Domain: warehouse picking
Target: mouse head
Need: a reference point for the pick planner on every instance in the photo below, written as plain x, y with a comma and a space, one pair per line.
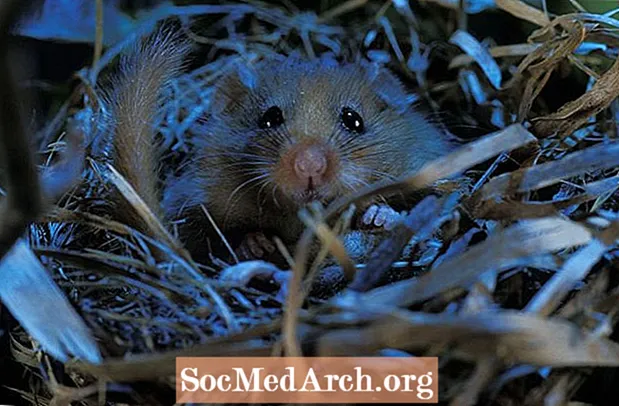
299, 131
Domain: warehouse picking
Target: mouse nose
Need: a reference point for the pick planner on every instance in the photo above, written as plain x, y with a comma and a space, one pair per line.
310, 162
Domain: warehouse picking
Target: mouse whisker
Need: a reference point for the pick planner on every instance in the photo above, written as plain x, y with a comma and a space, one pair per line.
233, 154
383, 175
242, 171
335, 133
371, 160
378, 146
350, 181
274, 137
376, 175
241, 166
264, 183
284, 134
267, 145
381, 153
230, 203
238, 154
274, 196
343, 138
246, 172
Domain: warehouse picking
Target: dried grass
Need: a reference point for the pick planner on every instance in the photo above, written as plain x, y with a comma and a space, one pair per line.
504, 272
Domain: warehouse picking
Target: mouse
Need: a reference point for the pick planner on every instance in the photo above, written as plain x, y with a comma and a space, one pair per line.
294, 132
281, 133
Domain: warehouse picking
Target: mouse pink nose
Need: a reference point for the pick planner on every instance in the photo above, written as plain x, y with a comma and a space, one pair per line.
310, 162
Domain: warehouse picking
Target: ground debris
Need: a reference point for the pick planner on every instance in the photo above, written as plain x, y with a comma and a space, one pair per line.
503, 267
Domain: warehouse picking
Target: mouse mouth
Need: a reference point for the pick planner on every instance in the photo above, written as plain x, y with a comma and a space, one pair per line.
308, 195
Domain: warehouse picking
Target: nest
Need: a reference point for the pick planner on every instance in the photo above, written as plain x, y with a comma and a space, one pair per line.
505, 272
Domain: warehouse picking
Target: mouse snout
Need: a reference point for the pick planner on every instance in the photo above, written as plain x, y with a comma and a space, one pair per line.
310, 162
305, 170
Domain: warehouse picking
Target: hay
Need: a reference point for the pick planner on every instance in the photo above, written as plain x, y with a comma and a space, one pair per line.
505, 271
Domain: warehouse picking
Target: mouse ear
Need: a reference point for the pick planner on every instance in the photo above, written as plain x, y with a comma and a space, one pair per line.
388, 87
240, 79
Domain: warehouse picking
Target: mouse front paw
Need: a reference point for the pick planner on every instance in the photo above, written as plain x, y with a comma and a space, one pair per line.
380, 215
255, 246
240, 276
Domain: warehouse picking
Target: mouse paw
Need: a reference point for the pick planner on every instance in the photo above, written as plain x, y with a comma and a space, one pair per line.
255, 246
240, 275
380, 215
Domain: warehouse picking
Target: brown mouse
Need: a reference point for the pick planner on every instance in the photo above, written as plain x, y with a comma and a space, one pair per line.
284, 133
296, 131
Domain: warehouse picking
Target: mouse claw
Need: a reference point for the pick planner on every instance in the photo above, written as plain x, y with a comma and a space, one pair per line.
381, 215
255, 246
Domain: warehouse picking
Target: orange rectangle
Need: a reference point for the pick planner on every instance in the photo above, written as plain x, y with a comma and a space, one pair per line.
307, 380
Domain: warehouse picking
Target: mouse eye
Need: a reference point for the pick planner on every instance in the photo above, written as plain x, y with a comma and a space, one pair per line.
352, 120
271, 118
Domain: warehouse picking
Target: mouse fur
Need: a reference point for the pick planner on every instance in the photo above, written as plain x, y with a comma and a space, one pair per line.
237, 171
